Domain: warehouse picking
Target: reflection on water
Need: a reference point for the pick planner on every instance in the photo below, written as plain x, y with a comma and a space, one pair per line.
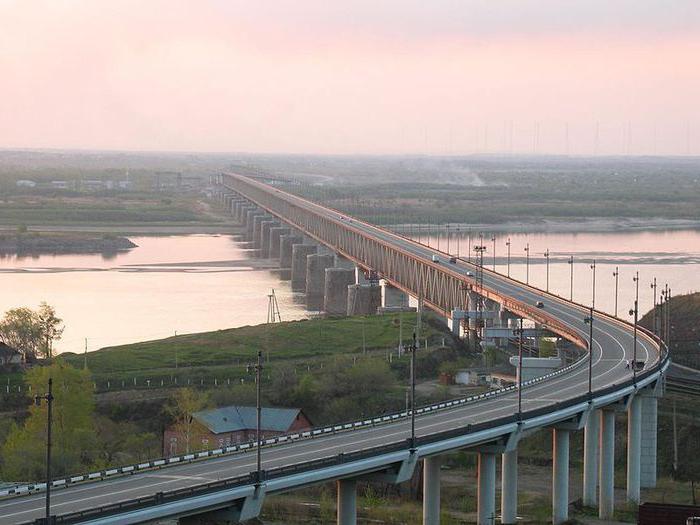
193, 283
187, 283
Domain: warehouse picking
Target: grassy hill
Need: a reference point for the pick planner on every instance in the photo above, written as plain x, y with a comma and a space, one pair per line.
685, 331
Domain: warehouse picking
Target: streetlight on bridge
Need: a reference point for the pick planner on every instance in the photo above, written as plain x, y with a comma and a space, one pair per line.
48, 397
571, 266
593, 299
616, 275
654, 317
257, 367
493, 238
635, 312
589, 321
508, 246
527, 263
546, 257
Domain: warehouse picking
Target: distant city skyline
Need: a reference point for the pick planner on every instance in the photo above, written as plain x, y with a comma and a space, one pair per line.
516, 76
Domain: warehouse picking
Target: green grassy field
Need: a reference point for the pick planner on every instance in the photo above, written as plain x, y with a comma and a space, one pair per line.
223, 350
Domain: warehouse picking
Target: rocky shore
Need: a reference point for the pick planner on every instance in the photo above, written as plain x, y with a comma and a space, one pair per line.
53, 243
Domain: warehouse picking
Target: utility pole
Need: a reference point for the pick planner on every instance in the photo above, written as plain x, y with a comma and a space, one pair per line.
493, 238
520, 370
414, 348
546, 258
616, 275
257, 367
48, 397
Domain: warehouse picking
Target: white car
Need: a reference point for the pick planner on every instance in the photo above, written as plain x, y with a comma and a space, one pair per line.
470, 274
436, 259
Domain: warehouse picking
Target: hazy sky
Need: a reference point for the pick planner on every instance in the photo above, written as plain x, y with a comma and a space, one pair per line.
357, 76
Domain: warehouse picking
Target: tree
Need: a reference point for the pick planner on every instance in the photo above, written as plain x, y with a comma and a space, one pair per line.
51, 330
184, 404
20, 329
31, 332
75, 446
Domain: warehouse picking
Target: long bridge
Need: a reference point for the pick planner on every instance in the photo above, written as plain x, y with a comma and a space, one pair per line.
223, 485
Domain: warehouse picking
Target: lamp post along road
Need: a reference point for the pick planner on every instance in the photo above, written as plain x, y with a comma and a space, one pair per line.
635, 312
508, 263
616, 275
571, 265
257, 367
546, 257
527, 264
520, 370
414, 347
593, 297
655, 316
493, 238
589, 321
48, 397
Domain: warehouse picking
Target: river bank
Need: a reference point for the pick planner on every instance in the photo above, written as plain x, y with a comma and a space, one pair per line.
35, 243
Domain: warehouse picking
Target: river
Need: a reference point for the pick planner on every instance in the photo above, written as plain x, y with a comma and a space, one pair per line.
191, 283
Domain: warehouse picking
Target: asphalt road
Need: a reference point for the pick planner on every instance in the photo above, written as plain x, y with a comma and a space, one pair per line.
613, 346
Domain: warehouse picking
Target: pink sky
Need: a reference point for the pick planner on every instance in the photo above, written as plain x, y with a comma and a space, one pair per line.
351, 77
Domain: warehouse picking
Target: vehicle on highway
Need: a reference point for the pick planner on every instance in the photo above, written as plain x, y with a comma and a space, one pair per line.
436, 259
453, 260
470, 274
539, 304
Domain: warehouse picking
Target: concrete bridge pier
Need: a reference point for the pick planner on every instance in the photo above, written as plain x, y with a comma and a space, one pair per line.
486, 489
257, 228
509, 487
335, 294
273, 248
287, 243
250, 221
392, 296
347, 502
265, 228
363, 299
647, 461
591, 438
606, 498
560, 475
431, 490
299, 259
634, 448
242, 216
316, 266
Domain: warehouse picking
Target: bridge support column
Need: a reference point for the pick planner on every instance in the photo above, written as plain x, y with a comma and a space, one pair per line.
649, 435
316, 266
560, 476
299, 255
486, 490
273, 248
250, 221
257, 227
335, 294
265, 228
431, 490
591, 438
634, 448
509, 487
606, 499
363, 299
392, 296
347, 502
287, 243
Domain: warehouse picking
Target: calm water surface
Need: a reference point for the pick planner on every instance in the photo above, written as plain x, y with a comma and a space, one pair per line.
193, 283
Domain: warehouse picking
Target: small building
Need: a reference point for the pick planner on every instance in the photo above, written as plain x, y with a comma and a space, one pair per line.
24, 183
226, 426
9, 356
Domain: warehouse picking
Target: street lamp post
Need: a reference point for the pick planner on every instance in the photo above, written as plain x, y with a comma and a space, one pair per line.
635, 312
655, 316
48, 397
546, 258
593, 299
527, 263
508, 246
447, 227
493, 238
616, 275
414, 348
571, 266
520, 370
257, 367
589, 321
